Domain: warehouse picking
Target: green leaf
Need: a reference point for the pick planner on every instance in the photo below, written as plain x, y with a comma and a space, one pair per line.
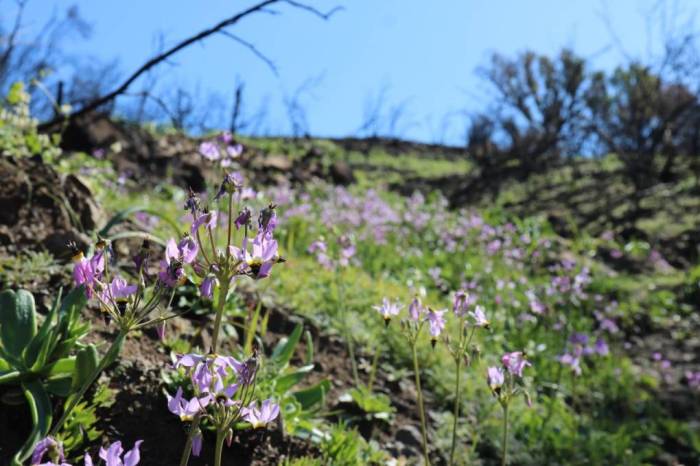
285, 348
62, 366
61, 386
17, 321
85, 364
72, 305
16, 94
369, 402
9, 377
36, 354
312, 395
309, 348
287, 381
40, 410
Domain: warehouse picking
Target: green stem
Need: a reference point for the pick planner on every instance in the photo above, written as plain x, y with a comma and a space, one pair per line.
220, 436
456, 410
351, 350
220, 304
188, 444
251, 329
421, 409
373, 371
346, 329
107, 359
504, 451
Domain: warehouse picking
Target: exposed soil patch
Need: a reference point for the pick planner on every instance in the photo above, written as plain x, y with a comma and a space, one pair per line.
40, 210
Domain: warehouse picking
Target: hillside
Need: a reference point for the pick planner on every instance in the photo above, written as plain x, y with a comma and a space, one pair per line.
562, 262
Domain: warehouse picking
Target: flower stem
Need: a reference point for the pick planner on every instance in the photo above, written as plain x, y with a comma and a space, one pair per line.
188, 444
107, 359
346, 329
220, 436
373, 370
458, 397
504, 451
421, 409
220, 304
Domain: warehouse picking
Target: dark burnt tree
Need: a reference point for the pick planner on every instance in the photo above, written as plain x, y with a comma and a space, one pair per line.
539, 109
644, 120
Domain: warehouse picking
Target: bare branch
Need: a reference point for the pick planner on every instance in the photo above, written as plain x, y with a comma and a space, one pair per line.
310, 9
270, 64
5, 58
164, 56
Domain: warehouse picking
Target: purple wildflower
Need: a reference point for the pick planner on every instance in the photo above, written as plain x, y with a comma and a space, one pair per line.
225, 137
184, 408
243, 218
235, 150
479, 317
572, 360
317, 246
192, 203
460, 303
209, 151
601, 347
160, 330
208, 219
415, 309
578, 338
246, 370
197, 444
693, 379
495, 377
112, 456
388, 309
515, 362
52, 449
267, 221
87, 272
117, 291
232, 182
258, 263
436, 320
206, 289
258, 418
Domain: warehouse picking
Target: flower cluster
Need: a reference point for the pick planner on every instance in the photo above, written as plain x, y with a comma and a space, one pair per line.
579, 347
505, 381
49, 452
222, 150
333, 256
223, 391
129, 305
214, 264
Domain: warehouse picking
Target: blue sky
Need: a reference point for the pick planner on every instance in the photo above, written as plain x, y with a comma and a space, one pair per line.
424, 54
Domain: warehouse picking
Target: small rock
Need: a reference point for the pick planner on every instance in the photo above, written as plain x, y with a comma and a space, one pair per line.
341, 173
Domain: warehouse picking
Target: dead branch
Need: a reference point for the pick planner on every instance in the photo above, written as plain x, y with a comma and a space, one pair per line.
161, 57
270, 64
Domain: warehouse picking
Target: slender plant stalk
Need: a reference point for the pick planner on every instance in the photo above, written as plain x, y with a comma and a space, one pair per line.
188, 444
458, 394
251, 329
373, 370
220, 436
108, 358
421, 409
346, 328
220, 304
504, 451
463, 345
